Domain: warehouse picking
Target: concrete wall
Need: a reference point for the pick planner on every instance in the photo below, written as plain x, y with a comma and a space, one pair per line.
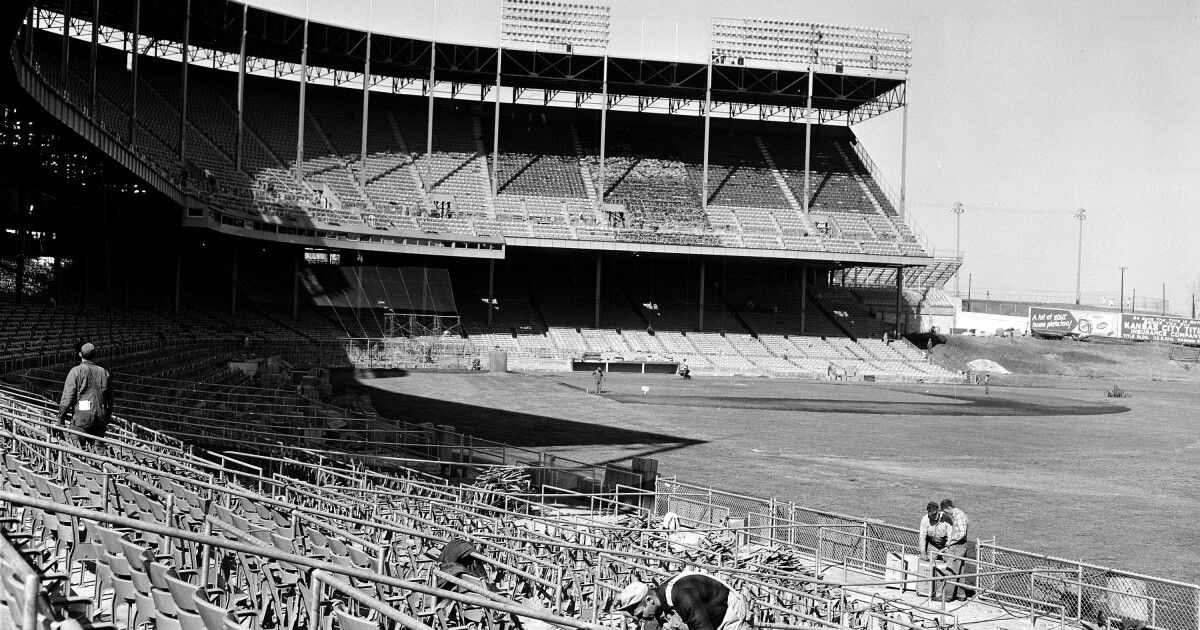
989, 323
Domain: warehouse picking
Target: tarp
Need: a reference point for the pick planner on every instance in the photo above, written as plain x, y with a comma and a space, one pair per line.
402, 289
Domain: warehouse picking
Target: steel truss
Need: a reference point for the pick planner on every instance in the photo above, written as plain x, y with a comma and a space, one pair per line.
420, 325
550, 78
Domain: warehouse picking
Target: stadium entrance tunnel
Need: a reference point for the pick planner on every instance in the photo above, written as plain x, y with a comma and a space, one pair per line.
996, 404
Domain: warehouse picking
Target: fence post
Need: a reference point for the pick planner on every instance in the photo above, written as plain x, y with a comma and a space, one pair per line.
1079, 592
864, 544
820, 539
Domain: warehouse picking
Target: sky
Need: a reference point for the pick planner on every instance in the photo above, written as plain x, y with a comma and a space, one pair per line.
1023, 111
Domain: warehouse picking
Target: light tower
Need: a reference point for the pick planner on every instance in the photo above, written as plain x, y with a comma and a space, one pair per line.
957, 209
1082, 216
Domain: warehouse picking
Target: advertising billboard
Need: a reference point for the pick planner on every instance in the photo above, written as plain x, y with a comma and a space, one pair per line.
1071, 322
1160, 328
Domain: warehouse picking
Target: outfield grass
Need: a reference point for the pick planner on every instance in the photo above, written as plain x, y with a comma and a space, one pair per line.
1057, 468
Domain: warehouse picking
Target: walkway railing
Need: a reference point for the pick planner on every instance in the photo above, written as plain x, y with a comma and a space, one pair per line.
1081, 591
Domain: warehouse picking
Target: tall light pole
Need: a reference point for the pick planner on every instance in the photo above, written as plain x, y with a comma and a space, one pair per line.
1123, 288
957, 209
1079, 214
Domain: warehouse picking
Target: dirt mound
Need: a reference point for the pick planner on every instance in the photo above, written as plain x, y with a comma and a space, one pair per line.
987, 365
1028, 355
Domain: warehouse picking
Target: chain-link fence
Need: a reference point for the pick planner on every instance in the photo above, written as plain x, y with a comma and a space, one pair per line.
1044, 585
1093, 593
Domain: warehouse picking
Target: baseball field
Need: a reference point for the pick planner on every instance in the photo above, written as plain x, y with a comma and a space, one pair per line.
1047, 464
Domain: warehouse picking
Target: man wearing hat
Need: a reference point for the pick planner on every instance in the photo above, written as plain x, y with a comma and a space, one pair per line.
703, 602
87, 398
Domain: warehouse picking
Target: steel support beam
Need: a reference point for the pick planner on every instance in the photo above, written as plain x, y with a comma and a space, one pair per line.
707, 115
178, 275
899, 297
603, 132
241, 89
296, 283
429, 121
803, 297
22, 232
808, 145
491, 305
233, 283
366, 115
300, 117
496, 142
700, 326
597, 319
133, 79
66, 42
904, 160
183, 85
92, 61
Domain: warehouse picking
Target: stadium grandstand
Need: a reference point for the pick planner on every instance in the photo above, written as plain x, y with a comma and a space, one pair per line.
232, 201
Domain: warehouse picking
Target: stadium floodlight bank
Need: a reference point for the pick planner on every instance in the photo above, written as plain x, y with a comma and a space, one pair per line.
819, 46
565, 24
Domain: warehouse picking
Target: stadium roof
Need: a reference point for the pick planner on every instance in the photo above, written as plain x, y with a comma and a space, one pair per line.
277, 40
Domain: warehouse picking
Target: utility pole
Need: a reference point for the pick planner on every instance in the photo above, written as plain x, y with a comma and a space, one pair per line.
1079, 214
968, 292
1123, 289
957, 209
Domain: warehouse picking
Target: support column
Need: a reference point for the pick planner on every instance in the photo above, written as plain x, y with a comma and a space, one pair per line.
899, 297
429, 121
27, 40
133, 79
92, 61
803, 298
241, 94
22, 232
57, 272
904, 159
707, 124
491, 285
296, 283
178, 274
808, 145
366, 113
87, 272
108, 288
233, 283
66, 45
603, 132
125, 301
496, 140
183, 86
700, 326
300, 117
597, 321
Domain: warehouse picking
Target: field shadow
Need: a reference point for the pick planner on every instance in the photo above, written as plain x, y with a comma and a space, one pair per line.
509, 427
940, 405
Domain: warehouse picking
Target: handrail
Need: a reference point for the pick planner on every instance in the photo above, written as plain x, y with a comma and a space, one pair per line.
270, 552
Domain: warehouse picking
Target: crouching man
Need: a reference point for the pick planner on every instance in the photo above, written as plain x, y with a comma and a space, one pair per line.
702, 601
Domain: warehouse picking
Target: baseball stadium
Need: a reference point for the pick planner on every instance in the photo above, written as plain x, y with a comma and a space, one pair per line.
414, 333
